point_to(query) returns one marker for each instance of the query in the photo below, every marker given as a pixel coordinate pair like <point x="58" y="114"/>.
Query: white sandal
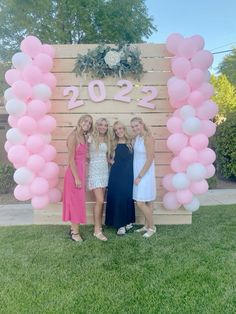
<point x="100" y="236"/>
<point x="150" y="232"/>
<point x="143" y="229"/>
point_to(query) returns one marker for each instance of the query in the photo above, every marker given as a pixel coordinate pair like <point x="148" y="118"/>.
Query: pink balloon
<point x="47" y="124"/>
<point x="170" y="201"/>
<point x="18" y="154"/>
<point x="49" y="50"/>
<point x="186" y="48"/>
<point x="210" y="171"/>
<point x="184" y="196"/>
<point x="181" y="67"/>
<point x="43" y="62"/>
<point x="50" y="170"/>
<point x="177" y="165"/>
<point x="39" y="202"/>
<point x="31" y="45"/>
<point x="27" y="125"/>
<point x="167" y="182"/>
<point x="176" y="142"/>
<point x="206" y="156"/>
<point x="207" y="110"/>
<point x="37" y="109"/>
<point x="173" y="79"/>
<point x="22" y="90"/>
<point x="39" y="186"/>
<point x="177" y="103"/>
<point x="179" y="90"/>
<point x="173" y="41"/>
<point x="202" y="59"/>
<point x="48" y="153"/>
<point x="50" y="80"/>
<point x="35" y="144"/>
<point x="199" y="141"/>
<point x="195" y="78"/>
<point x="32" y="75"/>
<point x="208" y="128"/>
<point x="174" y="125"/>
<point x="199" y="187"/>
<point x="7" y="146"/>
<point x="12" y="121"/>
<point x="53" y="183"/>
<point x="12" y="75"/>
<point x="207" y="90"/>
<point x="195" y="98"/>
<point x="22" y="193"/>
<point x="54" y="195"/>
<point x="35" y="163"/>
<point x="188" y="155"/>
<point x="198" y="42"/>
<point x="48" y="105"/>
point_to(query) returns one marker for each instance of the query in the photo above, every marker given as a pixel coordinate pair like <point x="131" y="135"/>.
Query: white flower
<point x="112" y="58"/>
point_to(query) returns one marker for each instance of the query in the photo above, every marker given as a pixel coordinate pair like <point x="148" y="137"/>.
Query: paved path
<point x="22" y="214"/>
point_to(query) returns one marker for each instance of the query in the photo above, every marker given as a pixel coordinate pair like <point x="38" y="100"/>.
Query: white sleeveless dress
<point x="145" y="191"/>
<point x="98" y="166"/>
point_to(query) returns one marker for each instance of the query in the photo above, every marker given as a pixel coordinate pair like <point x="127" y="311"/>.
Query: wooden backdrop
<point x="156" y="63"/>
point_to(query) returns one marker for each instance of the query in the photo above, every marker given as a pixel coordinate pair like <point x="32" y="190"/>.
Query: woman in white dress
<point x="99" y="150"/>
<point x="144" y="189"/>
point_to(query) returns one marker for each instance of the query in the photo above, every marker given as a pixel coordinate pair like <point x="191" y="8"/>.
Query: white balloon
<point x="8" y="94"/>
<point x="193" y="205"/>
<point x="196" y="172"/>
<point x="42" y="92"/>
<point x="14" y="136"/>
<point x="20" y="60"/>
<point x="16" y="107"/>
<point x="180" y="181"/>
<point x="191" y="125"/>
<point x="23" y="176"/>
<point x="187" y="111"/>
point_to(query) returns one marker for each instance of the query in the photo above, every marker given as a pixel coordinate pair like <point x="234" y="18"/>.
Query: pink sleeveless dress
<point x="74" y="208"/>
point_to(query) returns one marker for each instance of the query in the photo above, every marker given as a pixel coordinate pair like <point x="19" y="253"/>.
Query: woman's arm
<point x="71" y="151"/>
<point x="149" y="146"/>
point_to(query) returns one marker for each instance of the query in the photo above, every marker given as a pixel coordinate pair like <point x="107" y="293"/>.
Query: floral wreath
<point x="106" y="61"/>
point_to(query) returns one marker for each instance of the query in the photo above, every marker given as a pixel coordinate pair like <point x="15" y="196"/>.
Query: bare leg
<point x="75" y="233"/>
<point x="98" y="212"/>
<point x="147" y="211"/>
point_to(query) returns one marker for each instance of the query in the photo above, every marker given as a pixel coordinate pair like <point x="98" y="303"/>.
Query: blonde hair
<point x="107" y="137"/>
<point x="140" y="120"/>
<point x="77" y="129"/>
<point x="115" y="138"/>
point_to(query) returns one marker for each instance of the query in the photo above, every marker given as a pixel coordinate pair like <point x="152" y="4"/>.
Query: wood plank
<point x="71" y="119"/>
<point x="147" y="50"/>
<point x="110" y="106"/>
<point x="149" y="64"/>
<point x="61" y="133"/>
<point x="156" y="78"/>
<point x="110" y="92"/>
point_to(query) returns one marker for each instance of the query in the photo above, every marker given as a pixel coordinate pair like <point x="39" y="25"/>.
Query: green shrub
<point x="212" y="182"/>
<point x="6" y="178"/>
<point x="224" y="143"/>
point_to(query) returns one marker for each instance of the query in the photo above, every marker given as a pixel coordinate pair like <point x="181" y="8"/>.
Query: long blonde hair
<point x="107" y="137"/>
<point x="115" y="138"/>
<point x="140" y="120"/>
<point x="77" y="129"/>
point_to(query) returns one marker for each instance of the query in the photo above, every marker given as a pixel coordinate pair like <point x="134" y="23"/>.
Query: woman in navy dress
<point x="120" y="212"/>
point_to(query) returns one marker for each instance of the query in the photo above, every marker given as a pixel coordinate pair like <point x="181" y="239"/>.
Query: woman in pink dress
<point x="74" y="209"/>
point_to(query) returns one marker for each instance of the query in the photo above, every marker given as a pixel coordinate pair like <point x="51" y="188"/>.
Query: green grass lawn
<point x="181" y="269"/>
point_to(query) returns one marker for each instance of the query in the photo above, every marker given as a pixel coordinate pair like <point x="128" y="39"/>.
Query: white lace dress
<point x="145" y="191"/>
<point x="98" y="166"/>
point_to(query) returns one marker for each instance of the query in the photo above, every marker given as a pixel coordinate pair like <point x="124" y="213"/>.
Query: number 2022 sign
<point x="122" y="95"/>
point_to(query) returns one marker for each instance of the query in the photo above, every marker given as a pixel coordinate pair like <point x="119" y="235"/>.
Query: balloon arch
<point x="28" y="141"/>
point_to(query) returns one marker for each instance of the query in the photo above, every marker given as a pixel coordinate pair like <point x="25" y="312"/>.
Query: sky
<point x="214" y="20"/>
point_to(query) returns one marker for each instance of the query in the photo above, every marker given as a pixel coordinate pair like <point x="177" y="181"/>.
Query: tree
<point x="72" y="22"/>
<point x="228" y="67"/>
<point x="225" y="96"/>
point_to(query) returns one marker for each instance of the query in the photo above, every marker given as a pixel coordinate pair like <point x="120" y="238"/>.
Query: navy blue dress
<point x="120" y="205"/>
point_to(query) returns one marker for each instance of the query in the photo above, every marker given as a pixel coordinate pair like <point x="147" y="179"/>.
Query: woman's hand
<point x="78" y="183"/>
<point x="137" y="181"/>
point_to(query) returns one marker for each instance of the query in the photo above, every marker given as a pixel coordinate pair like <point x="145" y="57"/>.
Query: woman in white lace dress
<point x="144" y="188"/>
<point x="99" y="150"/>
